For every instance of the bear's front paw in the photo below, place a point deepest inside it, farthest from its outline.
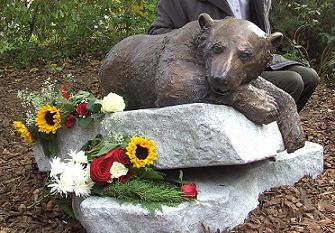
(268, 111)
(294, 138)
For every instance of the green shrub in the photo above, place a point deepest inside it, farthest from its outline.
(309, 27)
(35, 30)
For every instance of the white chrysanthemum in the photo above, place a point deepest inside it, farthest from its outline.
(78, 173)
(112, 103)
(57, 167)
(117, 170)
(74, 178)
(82, 181)
(83, 187)
(78, 157)
(82, 190)
(63, 185)
(55, 187)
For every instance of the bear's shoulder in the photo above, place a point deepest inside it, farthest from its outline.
(181, 44)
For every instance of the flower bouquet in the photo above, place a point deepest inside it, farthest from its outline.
(115, 165)
(50, 109)
(118, 168)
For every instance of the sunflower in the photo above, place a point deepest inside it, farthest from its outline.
(24, 131)
(48, 119)
(141, 151)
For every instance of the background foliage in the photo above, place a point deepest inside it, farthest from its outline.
(34, 30)
(51, 30)
(309, 27)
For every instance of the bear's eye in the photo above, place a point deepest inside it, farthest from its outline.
(217, 48)
(245, 55)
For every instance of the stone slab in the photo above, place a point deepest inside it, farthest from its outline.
(192, 135)
(226, 196)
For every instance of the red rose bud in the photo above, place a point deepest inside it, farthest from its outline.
(189, 190)
(100, 169)
(64, 92)
(70, 120)
(81, 109)
(120, 156)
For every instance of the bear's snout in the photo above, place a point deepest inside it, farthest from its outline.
(221, 80)
(221, 84)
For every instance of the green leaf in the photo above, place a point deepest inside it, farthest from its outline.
(84, 94)
(49, 144)
(150, 173)
(92, 143)
(93, 107)
(106, 148)
(53, 148)
(85, 122)
(80, 96)
(97, 115)
(65, 104)
(98, 101)
(98, 146)
(97, 190)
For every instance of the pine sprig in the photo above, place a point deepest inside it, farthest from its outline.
(150, 194)
(146, 190)
(150, 174)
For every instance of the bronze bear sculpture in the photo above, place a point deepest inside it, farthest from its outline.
(205, 61)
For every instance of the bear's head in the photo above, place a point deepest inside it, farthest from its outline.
(234, 51)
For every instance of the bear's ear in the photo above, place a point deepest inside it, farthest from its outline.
(205, 21)
(275, 38)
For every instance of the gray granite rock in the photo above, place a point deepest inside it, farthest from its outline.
(226, 196)
(193, 135)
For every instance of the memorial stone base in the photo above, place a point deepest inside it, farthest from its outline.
(226, 195)
(230, 159)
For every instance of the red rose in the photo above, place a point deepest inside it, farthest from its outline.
(100, 169)
(64, 92)
(82, 110)
(70, 120)
(189, 190)
(125, 178)
(120, 156)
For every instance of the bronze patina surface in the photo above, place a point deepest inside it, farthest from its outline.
(206, 61)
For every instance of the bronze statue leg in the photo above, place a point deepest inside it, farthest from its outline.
(262, 103)
(288, 120)
(254, 103)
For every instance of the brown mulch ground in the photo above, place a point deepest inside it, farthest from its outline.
(309, 206)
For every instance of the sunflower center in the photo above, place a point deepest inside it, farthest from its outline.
(141, 152)
(49, 118)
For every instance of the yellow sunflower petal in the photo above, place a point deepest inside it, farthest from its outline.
(48, 119)
(141, 143)
(23, 131)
